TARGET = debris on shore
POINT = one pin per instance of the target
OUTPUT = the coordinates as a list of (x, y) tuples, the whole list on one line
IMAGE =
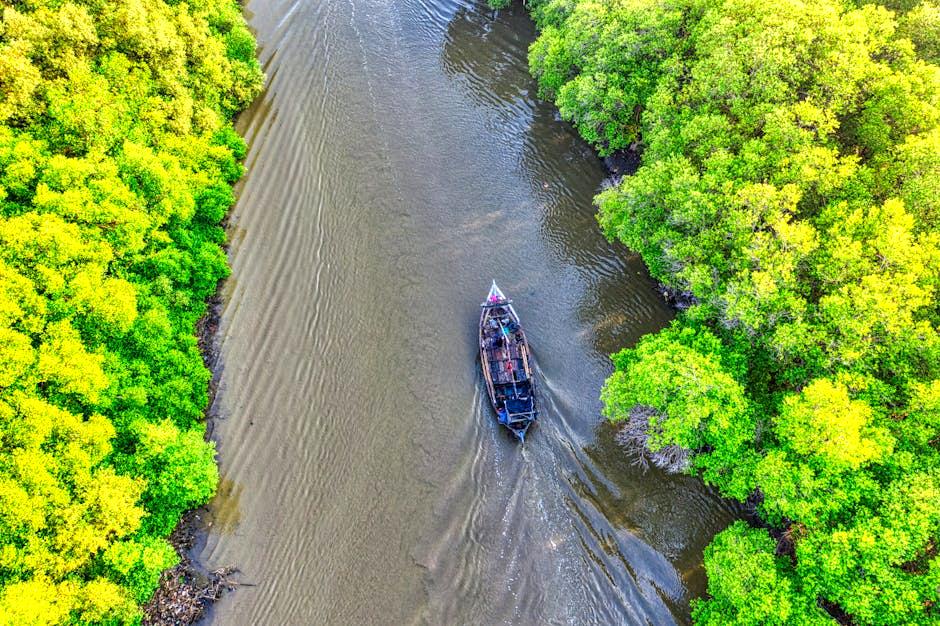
[(187, 590)]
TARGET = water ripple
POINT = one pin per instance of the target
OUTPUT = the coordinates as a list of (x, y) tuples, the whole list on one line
[(398, 161)]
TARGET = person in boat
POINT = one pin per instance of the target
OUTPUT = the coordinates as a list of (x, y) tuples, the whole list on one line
[(503, 416)]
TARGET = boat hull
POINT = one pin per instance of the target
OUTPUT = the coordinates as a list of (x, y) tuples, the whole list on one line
[(507, 369)]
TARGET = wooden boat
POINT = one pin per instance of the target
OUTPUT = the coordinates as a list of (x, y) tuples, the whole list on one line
[(504, 353)]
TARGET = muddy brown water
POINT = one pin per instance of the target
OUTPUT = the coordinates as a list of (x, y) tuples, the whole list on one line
[(399, 160)]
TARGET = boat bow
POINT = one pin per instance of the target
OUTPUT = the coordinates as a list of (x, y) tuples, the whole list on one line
[(495, 297)]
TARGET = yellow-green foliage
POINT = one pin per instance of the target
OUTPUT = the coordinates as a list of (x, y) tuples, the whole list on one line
[(116, 161), (790, 180)]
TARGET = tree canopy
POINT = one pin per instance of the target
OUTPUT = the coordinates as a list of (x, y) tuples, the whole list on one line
[(789, 180), (117, 157)]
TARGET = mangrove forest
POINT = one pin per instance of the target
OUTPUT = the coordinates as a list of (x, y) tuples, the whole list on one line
[(790, 184), (117, 156)]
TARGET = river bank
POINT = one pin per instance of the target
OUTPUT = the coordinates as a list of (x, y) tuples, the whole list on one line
[(187, 591), (625, 163)]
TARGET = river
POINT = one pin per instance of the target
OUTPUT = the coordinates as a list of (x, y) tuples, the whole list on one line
[(398, 161)]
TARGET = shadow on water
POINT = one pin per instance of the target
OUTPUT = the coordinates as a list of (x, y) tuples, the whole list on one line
[(224, 511), (483, 48), (620, 303), (675, 515)]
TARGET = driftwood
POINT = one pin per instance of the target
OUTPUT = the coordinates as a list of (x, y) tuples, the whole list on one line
[(187, 591), (184, 595), (634, 437)]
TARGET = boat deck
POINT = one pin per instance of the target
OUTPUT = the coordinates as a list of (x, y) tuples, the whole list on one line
[(506, 367)]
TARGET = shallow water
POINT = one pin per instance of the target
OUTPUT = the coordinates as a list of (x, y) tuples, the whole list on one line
[(399, 160)]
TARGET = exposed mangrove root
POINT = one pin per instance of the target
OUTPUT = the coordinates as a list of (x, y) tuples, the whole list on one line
[(634, 437), (678, 299), (183, 596), (186, 591)]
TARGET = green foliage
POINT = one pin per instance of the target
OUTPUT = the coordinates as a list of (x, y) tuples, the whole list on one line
[(179, 469), (599, 61), (137, 564), (116, 160), (881, 566), (922, 26), (689, 378), (789, 180), (749, 584)]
